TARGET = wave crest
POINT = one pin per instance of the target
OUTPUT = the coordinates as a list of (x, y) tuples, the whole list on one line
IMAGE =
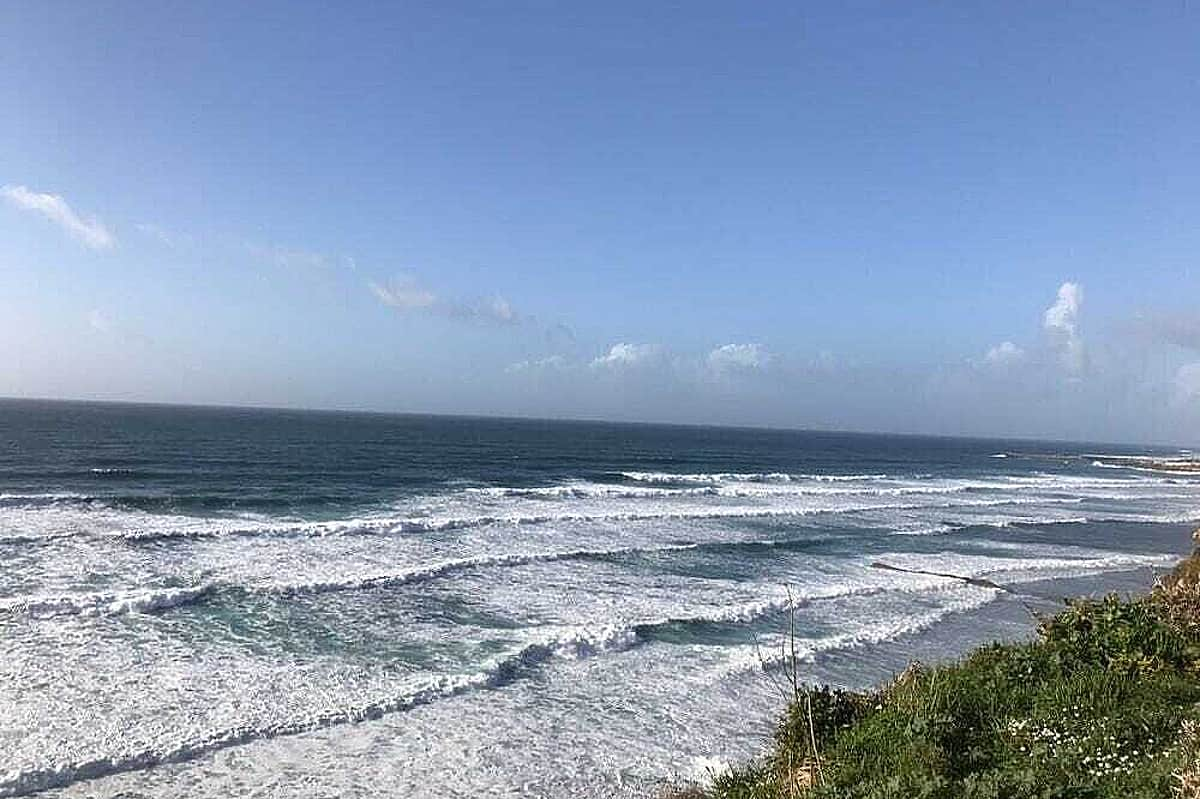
[(147, 600)]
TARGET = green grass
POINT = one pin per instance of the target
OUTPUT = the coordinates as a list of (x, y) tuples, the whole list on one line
[(1101, 706)]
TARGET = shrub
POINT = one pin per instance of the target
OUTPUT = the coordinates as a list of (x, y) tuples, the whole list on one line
[(1129, 637)]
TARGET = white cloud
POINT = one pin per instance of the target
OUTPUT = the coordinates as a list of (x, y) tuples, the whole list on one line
[(623, 355), (404, 294), (1004, 354), (1061, 322), (686, 369), (88, 231), (732, 357), (1063, 315)]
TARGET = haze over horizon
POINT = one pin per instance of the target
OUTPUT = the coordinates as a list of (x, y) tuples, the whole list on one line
[(964, 220)]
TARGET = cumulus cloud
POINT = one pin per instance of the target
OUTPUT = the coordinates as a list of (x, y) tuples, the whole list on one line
[(1005, 353), (735, 357), (1063, 315), (89, 231), (1061, 322), (624, 356)]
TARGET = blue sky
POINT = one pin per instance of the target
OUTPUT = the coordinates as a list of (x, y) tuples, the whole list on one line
[(951, 218)]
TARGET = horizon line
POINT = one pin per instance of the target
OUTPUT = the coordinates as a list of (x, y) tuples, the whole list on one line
[(579, 420)]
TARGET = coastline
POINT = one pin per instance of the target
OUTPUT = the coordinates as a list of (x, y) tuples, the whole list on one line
[(845, 708), (866, 668), (574, 626)]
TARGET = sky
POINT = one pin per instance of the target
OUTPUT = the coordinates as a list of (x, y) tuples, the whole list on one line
[(950, 218)]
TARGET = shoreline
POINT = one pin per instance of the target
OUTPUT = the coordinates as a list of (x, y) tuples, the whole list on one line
[(810, 763), (866, 668)]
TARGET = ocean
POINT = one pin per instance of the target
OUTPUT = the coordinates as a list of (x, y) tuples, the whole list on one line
[(201, 602)]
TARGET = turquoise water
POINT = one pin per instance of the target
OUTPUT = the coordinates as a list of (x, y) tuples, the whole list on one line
[(208, 602)]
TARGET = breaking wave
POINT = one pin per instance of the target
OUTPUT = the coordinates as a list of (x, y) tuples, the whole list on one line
[(147, 600), (443, 568), (746, 477), (401, 525), (36, 500), (960, 600), (571, 644)]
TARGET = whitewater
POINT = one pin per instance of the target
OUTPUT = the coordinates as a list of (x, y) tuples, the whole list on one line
[(205, 602)]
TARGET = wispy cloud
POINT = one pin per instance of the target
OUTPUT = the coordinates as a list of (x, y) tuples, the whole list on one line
[(403, 293), (408, 295), (89, 231)]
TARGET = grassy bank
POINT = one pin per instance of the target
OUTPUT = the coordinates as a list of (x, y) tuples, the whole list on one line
[(1104, 703)]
